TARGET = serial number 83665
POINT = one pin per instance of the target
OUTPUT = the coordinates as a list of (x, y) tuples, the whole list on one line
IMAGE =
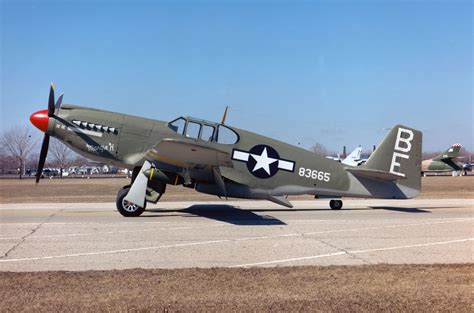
[(314, 174)]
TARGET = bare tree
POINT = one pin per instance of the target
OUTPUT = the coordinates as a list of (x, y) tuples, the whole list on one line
[(426, 155), (61, 155), (319, 149), (3, 160), (464, 154), (18, 144)]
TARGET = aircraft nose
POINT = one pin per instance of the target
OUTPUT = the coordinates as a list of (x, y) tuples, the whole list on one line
[(40, 120)]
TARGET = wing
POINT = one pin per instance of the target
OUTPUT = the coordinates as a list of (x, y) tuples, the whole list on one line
[(184, 153), (235, 175)]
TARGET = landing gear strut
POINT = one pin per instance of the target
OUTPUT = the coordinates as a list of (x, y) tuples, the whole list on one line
[(335, 204), (126, 208)]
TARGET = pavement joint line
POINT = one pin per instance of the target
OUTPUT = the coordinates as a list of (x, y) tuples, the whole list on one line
[(22, 239), (200, 243), (352, 255), (352, 252)]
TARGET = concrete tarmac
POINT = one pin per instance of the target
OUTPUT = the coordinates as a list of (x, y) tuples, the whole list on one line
[(94, 236)]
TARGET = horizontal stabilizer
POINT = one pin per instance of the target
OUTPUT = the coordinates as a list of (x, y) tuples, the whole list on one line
[(370, 173)]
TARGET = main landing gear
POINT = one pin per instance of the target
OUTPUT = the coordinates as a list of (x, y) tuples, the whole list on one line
[(335, 204), (126, 208), (154, 190)]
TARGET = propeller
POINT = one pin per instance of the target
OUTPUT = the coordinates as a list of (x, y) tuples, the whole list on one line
[(57, 106), (36, 119), (42, 157), (51, 104)]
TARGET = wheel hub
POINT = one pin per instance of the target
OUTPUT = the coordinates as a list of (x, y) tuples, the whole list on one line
[(128, 206)]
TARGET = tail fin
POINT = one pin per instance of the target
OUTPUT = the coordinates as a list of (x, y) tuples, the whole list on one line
[(353, 156), (400, 155), (451, 153)]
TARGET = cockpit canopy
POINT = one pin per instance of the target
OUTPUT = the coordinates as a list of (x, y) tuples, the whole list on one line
[(203, 130)]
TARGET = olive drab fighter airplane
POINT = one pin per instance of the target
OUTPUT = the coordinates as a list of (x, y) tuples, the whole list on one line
[(225, 161), (446, 162)]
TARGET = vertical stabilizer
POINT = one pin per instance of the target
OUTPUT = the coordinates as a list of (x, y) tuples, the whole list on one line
[(451, 153), (353, 158), (400, 155)]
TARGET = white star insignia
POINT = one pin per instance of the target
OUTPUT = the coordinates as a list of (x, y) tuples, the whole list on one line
[(263, 161)]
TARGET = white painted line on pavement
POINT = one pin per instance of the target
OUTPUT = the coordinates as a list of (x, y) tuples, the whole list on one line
[(353, 252), (446, 221), (213, 242), (112, 232)]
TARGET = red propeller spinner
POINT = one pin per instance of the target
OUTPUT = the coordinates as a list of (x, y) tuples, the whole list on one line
[(40, 120)]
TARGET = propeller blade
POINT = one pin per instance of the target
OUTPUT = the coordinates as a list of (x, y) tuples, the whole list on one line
[(51, 101), (59, 101), (42, 157), (224, 116)]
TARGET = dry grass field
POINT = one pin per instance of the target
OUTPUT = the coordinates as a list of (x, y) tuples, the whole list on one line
[(394, 288), (105, 190)]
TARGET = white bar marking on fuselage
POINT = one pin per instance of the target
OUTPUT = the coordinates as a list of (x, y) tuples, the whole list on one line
[(241, 156), (286, 165)]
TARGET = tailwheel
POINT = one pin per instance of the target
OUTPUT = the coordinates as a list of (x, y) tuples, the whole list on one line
[(126, 208), (335, 204)]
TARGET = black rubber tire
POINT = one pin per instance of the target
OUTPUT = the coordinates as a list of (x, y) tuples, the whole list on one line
[(131, 211), (335, 204)]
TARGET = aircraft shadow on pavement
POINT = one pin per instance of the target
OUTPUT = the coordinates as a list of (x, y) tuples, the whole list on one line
[(225, 213), (400, 209)]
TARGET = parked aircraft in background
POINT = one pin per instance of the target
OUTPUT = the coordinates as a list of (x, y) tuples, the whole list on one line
[(352, 159), (225, 161), (446, 162)]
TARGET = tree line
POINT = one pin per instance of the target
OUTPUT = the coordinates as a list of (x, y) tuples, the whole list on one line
[(19, 152)]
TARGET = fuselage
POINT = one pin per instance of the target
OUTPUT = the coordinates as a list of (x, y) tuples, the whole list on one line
[(439, 166), (275, 168)]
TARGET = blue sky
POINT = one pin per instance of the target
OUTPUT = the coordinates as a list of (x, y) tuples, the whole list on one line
[(333, 72)]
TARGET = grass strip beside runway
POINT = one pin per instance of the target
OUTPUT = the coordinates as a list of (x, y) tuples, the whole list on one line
[(307, 288)]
